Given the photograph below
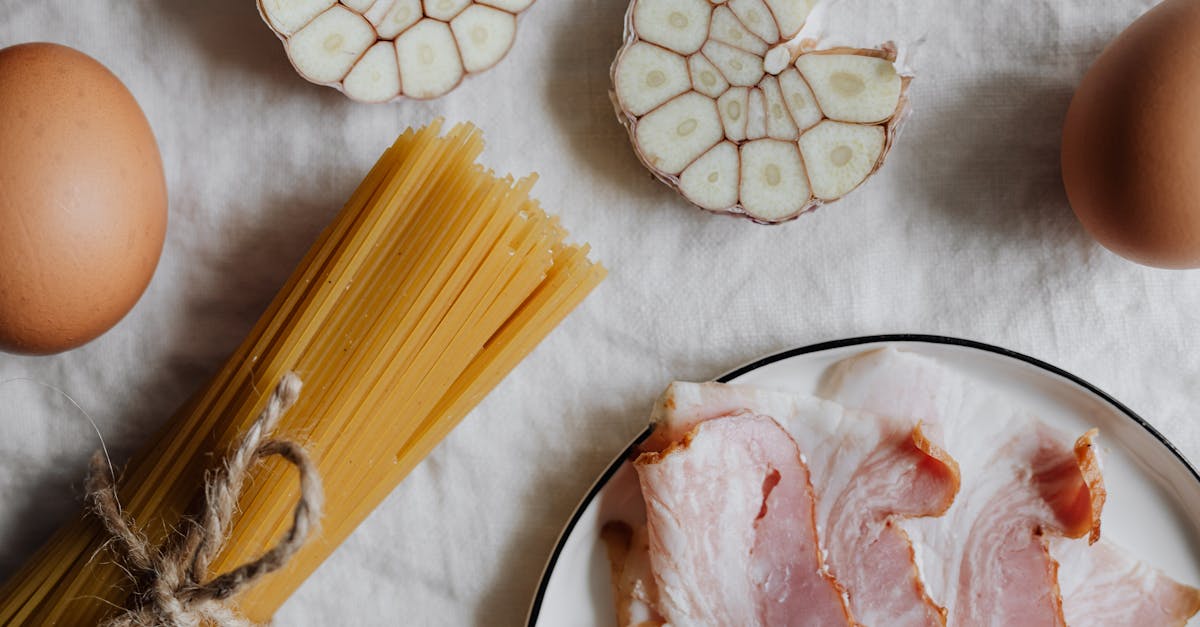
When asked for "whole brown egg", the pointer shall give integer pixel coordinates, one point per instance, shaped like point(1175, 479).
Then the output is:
point(1131, 144)
point(83, 201)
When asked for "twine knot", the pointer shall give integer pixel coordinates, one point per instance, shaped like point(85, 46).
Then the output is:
point(170, 585)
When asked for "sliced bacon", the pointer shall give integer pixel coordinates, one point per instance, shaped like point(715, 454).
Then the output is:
point(1009, 550)
point(730, 514)
point(998, 555)
point(634, 592)
point(1072, 485)
point(868, 471)
point(1006, 575)
point(1104, 586)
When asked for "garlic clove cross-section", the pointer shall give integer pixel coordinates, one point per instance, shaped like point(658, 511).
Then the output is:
point(677, 133)
point(727, 102)
point(381, 50)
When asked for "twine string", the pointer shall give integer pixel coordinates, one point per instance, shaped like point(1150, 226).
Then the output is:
point(170, 586)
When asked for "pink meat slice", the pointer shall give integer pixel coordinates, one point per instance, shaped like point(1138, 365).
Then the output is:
point(634, 592)
point(867, 471)
point(1001, 553)
point(872, 555)
point(732, 534)
point(1104, 586)
point(1007, 576)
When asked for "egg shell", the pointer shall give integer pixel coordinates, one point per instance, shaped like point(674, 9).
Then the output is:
point(83, 200)
point(1131, 143)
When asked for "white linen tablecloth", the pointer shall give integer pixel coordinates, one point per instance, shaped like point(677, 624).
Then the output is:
point(965, 232)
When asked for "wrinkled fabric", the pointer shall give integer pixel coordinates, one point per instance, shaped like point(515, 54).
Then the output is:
point(965, 232)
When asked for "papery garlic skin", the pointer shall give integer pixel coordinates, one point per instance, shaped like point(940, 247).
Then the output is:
point(383, 50)
point(728, 103)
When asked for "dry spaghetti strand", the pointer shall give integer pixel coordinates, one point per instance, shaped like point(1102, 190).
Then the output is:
point(430, 286)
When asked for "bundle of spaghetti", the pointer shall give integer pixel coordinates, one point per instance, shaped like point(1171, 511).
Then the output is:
point(432, 283)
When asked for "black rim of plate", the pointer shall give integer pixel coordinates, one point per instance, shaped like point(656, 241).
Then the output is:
point(548, 572)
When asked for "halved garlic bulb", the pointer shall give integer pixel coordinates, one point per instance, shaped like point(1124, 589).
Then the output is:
point(725, 103)
point(380, 50)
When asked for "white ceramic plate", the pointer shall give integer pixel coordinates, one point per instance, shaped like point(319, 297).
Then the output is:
point(1153, 505)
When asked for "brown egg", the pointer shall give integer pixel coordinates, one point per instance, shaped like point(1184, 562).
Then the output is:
point(83, 202)
point(1131, 145)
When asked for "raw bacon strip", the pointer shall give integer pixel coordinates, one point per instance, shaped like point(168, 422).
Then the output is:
point(633, 586)
point(1006, 575)
point(994, 559)
point(870, 554)
point(867, 472)
point(733, 539)
point(987, 560)
point(1099, 583)
point(1073, 486)
point(972, 422)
